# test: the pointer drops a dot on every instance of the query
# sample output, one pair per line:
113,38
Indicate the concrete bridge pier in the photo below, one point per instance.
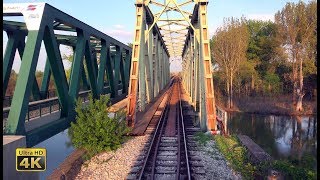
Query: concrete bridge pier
10,144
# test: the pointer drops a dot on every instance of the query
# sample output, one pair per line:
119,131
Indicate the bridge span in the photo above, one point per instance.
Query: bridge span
100,65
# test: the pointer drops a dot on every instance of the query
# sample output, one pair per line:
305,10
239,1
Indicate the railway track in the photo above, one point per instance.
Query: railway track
170,157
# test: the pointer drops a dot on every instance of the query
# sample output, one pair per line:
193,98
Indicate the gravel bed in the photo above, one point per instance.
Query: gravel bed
215,165
116,164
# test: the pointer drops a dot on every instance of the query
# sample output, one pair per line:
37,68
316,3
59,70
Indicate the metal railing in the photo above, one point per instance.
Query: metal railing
40,108
37,109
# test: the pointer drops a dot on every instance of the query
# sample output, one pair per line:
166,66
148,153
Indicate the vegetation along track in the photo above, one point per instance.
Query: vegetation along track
170,157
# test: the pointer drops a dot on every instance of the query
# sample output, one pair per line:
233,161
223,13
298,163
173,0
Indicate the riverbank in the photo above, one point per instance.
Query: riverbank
237,155
281,105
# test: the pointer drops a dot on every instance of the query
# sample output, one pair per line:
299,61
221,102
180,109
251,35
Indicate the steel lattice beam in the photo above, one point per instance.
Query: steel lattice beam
41,23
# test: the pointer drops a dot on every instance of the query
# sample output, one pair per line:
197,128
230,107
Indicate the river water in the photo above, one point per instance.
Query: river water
281,136
58,148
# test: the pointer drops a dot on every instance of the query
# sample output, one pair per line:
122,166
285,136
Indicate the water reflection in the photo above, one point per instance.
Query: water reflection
58,148
280,136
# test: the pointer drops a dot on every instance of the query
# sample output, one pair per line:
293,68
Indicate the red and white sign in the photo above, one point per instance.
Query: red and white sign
32,12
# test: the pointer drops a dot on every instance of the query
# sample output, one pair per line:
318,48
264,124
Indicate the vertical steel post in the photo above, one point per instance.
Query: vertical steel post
102,66
127,68
193,96
122,72
161,59
150,63
91,67
159,66
117,62
207,81
110,73
147,70
136,71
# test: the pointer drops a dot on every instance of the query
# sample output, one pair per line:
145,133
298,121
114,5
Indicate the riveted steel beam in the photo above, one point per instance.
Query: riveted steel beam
201,69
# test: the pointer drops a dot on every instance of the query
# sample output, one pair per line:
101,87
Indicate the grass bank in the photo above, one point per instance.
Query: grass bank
237,156
277,105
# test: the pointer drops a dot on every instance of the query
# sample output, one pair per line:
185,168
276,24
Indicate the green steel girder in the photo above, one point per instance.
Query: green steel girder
45,80
84,79
116,68
124,70
19,106
12,45
87,42
127,69
91,70
102,68
57,69
76,68
111,75
83,76
15,41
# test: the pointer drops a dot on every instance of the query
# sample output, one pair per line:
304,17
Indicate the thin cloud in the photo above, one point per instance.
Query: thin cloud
120,33
119,26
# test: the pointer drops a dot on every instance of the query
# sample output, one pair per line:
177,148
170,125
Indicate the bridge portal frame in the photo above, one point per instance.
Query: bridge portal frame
195,51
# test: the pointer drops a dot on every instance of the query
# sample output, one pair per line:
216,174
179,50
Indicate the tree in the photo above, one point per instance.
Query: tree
11,83
231,43
272,83
297,26
247,76
264,48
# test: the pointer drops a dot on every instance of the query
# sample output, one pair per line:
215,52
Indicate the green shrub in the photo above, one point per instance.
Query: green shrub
202,138
236,155
291,168
94,130
294,171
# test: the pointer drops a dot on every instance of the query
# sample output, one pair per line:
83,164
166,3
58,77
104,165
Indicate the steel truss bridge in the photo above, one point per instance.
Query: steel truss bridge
106,60
164,31
171,30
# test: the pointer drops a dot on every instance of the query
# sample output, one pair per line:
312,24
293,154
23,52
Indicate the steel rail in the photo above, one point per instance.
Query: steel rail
178,118
157,130
154,158
184,135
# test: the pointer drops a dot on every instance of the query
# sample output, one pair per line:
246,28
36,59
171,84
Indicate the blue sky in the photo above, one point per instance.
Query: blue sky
116,18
